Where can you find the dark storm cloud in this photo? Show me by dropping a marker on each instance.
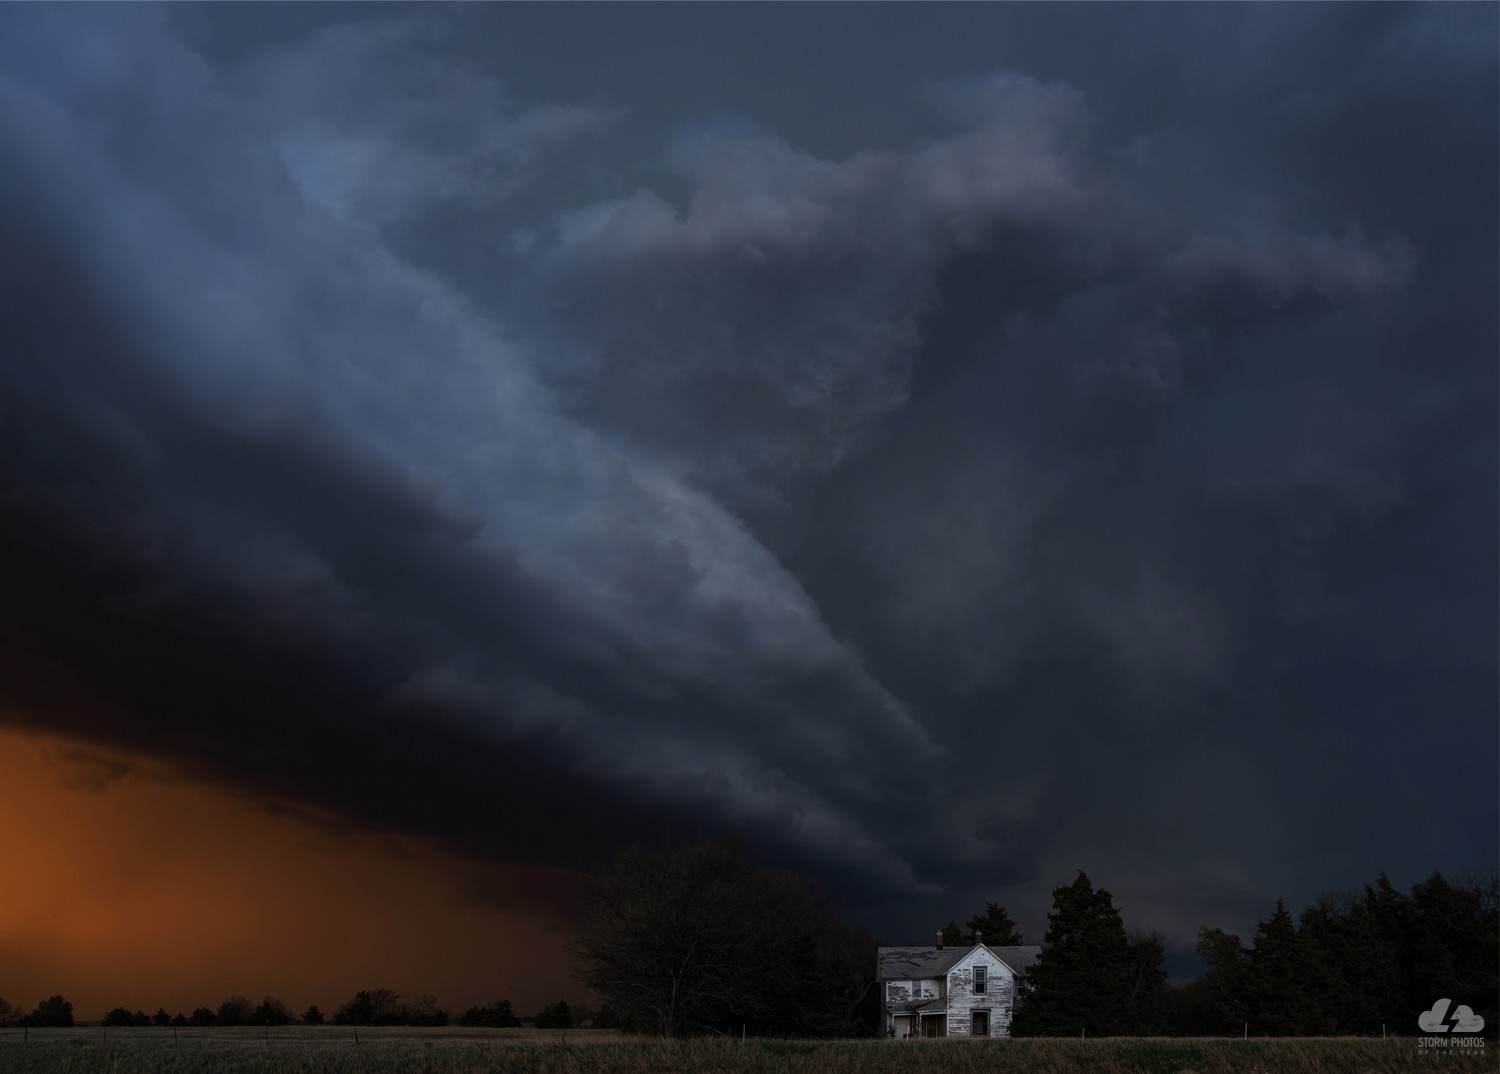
(1101, 433)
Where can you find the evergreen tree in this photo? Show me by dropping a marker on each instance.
(1078, 983)
(312, 1016)
(1454, 946)
(161, 1017)
(953, 936)
(997, 927)
(1353, 976)
(1390, 917)
(202, 1016)
(1281, 1003)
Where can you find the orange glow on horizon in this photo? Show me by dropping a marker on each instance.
(121, 885)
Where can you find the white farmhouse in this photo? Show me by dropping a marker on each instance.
(954, 991)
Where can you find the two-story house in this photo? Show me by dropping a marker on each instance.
(952, 991)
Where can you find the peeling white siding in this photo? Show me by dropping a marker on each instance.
(953, 991)
(998, 998)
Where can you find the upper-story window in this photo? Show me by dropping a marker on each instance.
(980, 972)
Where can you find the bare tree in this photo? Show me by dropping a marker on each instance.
(684, 939)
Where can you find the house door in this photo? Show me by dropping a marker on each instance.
(934, 1025)
(981, 1026)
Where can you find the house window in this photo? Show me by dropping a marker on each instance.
(981, 1024)
(979, 981)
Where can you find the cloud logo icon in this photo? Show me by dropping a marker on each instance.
(1462, 1020)
(1433, 1021)
(1466, 1021)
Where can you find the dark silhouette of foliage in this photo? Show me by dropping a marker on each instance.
(953, 936)
(312, 1016)
(555, 1016)
(271, 1012)
(119, 1016)
(423, 1011)
(9, 1015)
(1356, 962)
(51, 1012)
(498, 1015)
(1224, 988)
(234, 1011)
(996, 927)
(1091, 978)
(689, 940)
(383, 1007)
(202, 1016)
(161, 1017)
(179, 1019)
(1280, 1001)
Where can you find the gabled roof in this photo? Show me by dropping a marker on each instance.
(917, 963)
(1019, 959)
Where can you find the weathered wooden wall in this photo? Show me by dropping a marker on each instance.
(998, 999)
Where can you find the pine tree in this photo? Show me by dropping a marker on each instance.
(1078, 983)
(996, 925)
(1281, 1003)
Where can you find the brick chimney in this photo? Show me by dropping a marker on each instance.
(940, 939)
(978, 937)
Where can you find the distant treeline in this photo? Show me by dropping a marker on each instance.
(698, 940)
(373, 1007)
(1357, 962)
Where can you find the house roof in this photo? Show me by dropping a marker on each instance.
(916, 963)
(919, 1006)
(1019, 959)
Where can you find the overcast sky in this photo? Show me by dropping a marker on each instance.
(947, 446)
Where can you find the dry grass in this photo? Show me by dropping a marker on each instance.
(301, 1050)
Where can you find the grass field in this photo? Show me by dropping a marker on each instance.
(301, 1050)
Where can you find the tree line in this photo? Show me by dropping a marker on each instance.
(371, 1007)
(698, 940)
(1352, 963)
